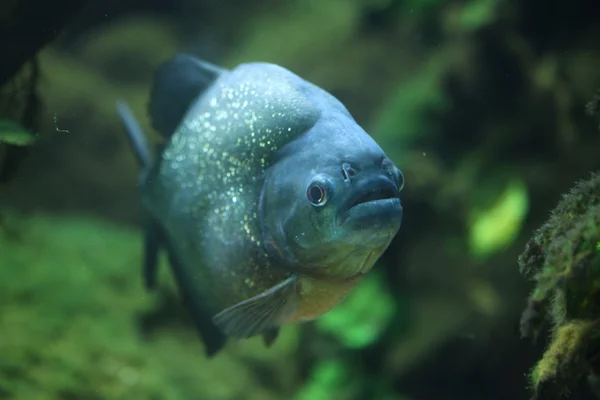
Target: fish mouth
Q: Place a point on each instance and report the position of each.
(375, 195)
(374, 201)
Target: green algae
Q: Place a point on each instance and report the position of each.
(563, 260)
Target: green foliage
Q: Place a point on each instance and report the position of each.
(302, 22)
(336, 378)
(361, 318)
(14, 134)
(404, 116)
(477, 13)
(329, 379)
(496, 227)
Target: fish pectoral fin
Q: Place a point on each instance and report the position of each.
(261, 313)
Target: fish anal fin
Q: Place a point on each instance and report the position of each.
(214, 340)
(152, 243)
(155, 239)
(270, 336)
(261, 313)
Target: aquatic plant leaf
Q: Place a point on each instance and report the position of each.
(13, 133)
(496, 227)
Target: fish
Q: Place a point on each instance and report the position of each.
(271, 202)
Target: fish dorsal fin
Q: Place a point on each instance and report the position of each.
(261, 313)
(177, 83)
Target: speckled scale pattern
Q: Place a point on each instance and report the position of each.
(213, 168)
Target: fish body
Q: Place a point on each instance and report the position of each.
(271, 201)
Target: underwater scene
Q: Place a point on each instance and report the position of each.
(303, 200)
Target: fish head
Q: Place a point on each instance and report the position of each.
(331, 203)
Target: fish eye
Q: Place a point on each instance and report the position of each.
(317, 194)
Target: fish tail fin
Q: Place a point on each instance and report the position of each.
(177, 83)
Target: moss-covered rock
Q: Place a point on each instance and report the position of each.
(563, 259)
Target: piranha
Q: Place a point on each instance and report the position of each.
(270, 201)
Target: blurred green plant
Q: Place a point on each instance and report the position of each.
(362, 316)
(420, 7)
(404, 116)
(329, 379)
(12, 133)
(336, 379)
(332, 22)
(477, 13)
(496, 227)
